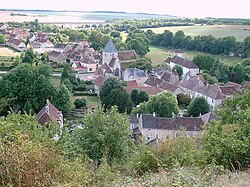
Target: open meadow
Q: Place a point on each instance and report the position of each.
(240, 32)
(6, 51)
(159, 55)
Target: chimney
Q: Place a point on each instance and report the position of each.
(154, 114)
(137, 115)
(181, 114)
(173, 115)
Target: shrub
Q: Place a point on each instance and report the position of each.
(183, 99)
(80, 103)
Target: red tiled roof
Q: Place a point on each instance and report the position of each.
(132, 83)
(99, 80)
(48, 113)
(228, 90)
(153, 81)
(127, 55)
(15, 41)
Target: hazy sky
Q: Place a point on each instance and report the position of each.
(185, 8)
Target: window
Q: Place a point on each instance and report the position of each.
(90, 69)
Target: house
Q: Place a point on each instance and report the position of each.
(57, 57)
(42, 46)
(206, 118)
(152, 81)
(135, 74)
(212, 93)
(16, 44)
(151, 127)
(62, 48)
(187, 66)
(88, 64)
(50, 113)
(99, 81)
(83, 43)
(229, 90)
(188, 84)
(3, 26)
(175, 90)
(170, 77)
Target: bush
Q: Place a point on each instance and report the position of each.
(183, 100)
(80, 103)
(78, 93)
(80, 87)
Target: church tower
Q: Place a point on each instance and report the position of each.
(110, 58)
(109, 52)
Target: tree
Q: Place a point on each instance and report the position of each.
(198, 106)
(106, 135)
(2, 39)
(178, 69)
(238, 74)
(29, 56)
(63, 99)
(143, 64)
(109, 84)
(27, 87)
(163, 104)
(138, 96)
(204, 62)
(183, 100)
(80, 103)
(120, 98)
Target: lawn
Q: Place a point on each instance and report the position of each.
(6, 51)
(159, 55)
(240, 32)
(91, 100)
(124, 36)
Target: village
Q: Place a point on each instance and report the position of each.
(90, 65)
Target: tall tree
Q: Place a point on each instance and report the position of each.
(28, 87)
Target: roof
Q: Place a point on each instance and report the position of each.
(212, 91)
(112, 62)
(60, 46)
(50, 111)
(237, 86)
(35, 45)
(136, 71)
(245, 84)
(149, 90)
(99, 80)
(191, 83)
(182, 62)
(15, 41)
(153, 81)
(188, 123)
(159, 70)
(127, 55)
(54, 54)
(87, 60)
(228, 90)
(133, 118)
(132, 83)
(110, 47)
(208, 117)
(155, 141)
(168, 86)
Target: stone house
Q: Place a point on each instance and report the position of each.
(139, 75)
(50, 113)
(57, 57)
(16, 44)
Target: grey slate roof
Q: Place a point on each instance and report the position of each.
(208, 117)
(133, 118)
(187, 123)
(110, 47)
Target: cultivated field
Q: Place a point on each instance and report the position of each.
(5, 51)
(240, 32)
(159, 55)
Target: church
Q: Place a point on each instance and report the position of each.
(112, 60)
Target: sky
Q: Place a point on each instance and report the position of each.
(182, 8)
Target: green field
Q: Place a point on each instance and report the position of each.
(91, 100)
(240, 32)
(159, 55)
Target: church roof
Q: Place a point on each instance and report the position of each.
(110, 47)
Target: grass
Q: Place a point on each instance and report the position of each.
(240, 32)
(56, 81)
(124, 36)
(91, 100)
(6, 51)
(159, 55)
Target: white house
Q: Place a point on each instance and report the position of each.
(16, 44)
(135, 74)
(188, 67)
